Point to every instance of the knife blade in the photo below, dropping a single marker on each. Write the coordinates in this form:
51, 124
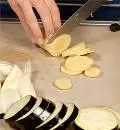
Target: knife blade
80, 15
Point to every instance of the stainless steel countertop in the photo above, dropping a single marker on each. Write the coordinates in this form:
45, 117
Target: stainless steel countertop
103, 91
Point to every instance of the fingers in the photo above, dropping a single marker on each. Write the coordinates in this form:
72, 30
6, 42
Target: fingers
18, 11
31, 20
54, 13
48, 11
45, 15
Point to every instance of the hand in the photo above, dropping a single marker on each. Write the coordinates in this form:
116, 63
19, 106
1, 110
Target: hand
48, 12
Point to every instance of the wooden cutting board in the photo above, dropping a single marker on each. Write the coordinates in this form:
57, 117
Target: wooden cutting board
103, 91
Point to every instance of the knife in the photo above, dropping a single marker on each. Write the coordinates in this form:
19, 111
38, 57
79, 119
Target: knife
80, 15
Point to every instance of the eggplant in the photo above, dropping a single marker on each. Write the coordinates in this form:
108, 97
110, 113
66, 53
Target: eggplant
55, 118
7, 99
95, 118
20, 108
36, 116
72, 112
116, 113
2, 115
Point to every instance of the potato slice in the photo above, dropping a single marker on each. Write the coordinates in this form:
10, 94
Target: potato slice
82, 52
59, 45
78, 63
69, 72
63, 84
76, 48
92, 72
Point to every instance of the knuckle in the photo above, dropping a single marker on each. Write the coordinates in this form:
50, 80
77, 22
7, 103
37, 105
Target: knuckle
36, 2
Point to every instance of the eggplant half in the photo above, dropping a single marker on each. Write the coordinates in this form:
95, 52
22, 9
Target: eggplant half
20, 108
37, 115
96, 119
55, 118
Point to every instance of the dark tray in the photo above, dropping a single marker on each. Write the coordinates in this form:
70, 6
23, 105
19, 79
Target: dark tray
109, 12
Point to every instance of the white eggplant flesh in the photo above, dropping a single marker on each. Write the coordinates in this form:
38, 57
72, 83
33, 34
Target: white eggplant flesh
20, 108
26, 87
115, 112
12, 79
5, 67
27, 69
96, 119
7, 99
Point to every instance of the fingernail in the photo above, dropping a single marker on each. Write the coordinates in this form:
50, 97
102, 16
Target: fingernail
40, 42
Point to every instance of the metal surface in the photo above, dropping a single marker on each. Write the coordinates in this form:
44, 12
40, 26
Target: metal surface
76, 4
79, 16
103, 91
70, 4
85, 23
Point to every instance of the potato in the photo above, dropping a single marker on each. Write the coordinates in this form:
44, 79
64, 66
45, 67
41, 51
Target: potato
92, 72
71, 51
78, 63
63, 84
82, 52
69, 72
59, 45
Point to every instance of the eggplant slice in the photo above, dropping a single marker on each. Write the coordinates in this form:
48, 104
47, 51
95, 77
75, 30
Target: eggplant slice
37, 115
96, 119
72, 112
116, 113
20, 108
55, 118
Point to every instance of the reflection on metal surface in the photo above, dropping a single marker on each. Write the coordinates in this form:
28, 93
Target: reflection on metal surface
85, 23
74, 4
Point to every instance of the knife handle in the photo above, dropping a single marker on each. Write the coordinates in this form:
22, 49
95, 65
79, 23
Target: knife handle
89, 6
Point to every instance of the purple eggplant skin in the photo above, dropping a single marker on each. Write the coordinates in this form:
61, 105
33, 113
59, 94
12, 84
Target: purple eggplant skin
71, 119
55, 120
22, 112
33, 120
16, 124
2, 116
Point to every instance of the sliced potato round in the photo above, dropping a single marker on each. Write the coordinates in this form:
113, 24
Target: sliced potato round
72, 50
69, 72
63, 84
92, 72
78, 63
82, 52
59, 45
